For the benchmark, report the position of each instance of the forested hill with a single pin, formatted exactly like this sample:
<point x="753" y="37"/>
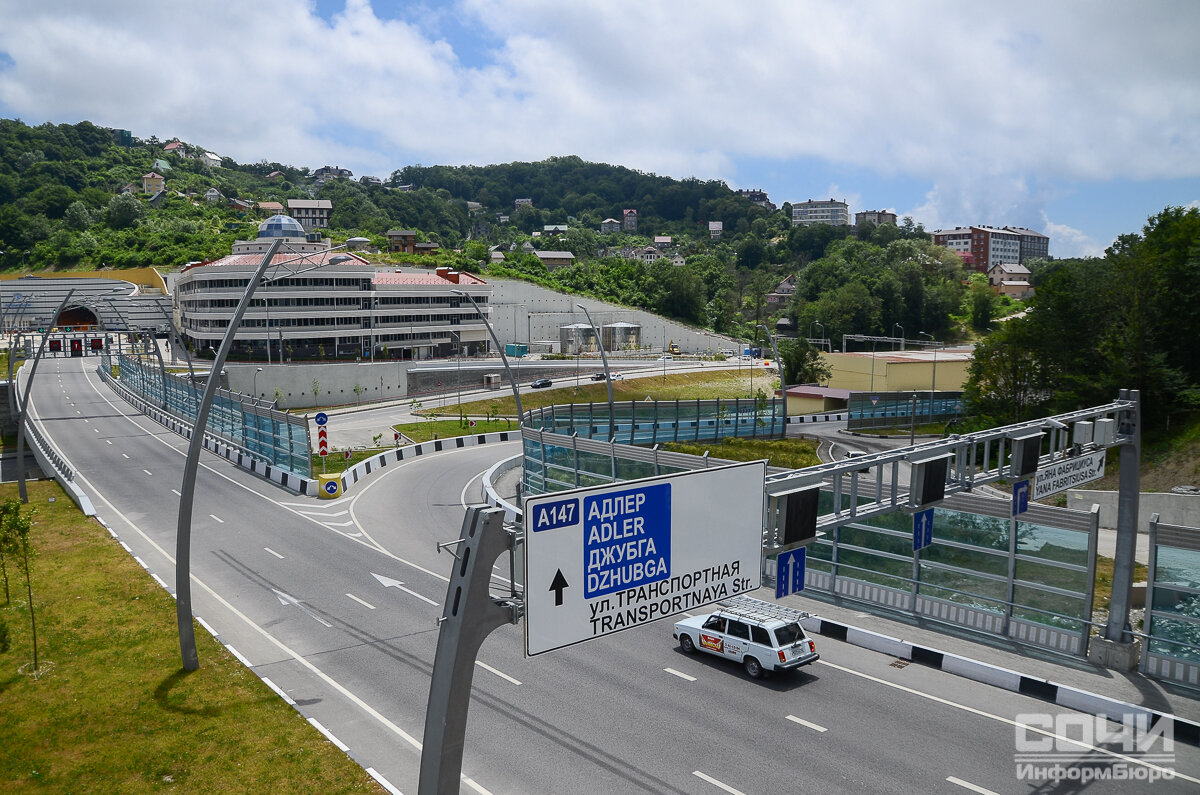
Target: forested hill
<point x="589" y="193"/>
<point x="61" y="201"/>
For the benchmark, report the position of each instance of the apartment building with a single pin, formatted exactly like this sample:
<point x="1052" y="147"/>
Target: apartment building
<point x="832" y="212"/>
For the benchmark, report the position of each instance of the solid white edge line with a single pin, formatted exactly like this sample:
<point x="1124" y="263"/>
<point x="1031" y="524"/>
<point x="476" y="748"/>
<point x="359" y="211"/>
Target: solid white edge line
<point x="206" y="626"/>
<point x="273" y="552"/>
<point x="141" y="563"/>
<point x="361" y="602"/>
<point x="716" y="783"/>
<point x="238" y="654"/>
<point x="383" y="782"/>
<point x="159" y="580"/>
<point x="680" y="674"/>
<point x="498" y="673"/>
<point x="279" y="692"/>
<point x="803" y="722"/>
<point x="217" y="518"/>
<point x="970" y="786"/>
<point x="329" y="735"/>
<point x="1008" y="721"/>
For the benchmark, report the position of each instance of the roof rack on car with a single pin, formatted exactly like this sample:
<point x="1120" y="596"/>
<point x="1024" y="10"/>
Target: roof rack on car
<point x="759" y="610"/>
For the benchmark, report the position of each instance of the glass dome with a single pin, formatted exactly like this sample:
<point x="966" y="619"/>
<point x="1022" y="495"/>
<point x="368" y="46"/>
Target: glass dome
<point x="280" y="226"/>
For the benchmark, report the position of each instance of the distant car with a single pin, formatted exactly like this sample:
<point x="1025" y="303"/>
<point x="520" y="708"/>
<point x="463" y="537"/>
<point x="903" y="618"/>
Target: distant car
<point x="542" y="383"/>
<point x="762" y="636"/>
<point x="666" y="357"/>
<point x="597" y="376"/>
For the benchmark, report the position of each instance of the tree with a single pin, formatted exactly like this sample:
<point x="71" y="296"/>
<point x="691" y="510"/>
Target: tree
<point x="316" y="390"/>
<point x="802" y="362"/>
<point x="358" y="391"/>
<point x="14" y="529"/>
<point x="124" y="210"/>
<point x="980" y="302"/>
<point x="9" y="548"/>
<point x="1008" y="381"/>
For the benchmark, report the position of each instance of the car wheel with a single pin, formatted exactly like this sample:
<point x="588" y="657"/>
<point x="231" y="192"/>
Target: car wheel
<point x="753" y="668"/>
<point x="686" y="644"/>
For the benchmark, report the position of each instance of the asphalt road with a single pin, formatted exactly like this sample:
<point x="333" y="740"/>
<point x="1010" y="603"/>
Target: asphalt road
<point x="293" y="585"/>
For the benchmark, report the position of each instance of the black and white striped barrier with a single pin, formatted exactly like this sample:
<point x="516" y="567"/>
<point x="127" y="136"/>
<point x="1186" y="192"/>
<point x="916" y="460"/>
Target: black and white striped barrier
<point x="802" y="418"/>
<point x="311" y="487"/>
<point x="1064" y="696"/>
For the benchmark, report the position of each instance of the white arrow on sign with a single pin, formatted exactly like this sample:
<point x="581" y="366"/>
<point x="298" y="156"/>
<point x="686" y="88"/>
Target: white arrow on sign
<point x="388" y="582"/>
<point x="285" y="599"/>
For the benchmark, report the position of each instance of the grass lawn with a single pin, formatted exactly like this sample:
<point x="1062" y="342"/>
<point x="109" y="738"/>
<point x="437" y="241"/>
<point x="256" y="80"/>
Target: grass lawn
<point x="703" y="385"/>
<point x="787" y="453"/>
<point x="114" y="711"/>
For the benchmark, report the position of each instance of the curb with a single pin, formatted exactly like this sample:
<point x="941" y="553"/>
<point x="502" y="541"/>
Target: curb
<point x="1186" y="731"/>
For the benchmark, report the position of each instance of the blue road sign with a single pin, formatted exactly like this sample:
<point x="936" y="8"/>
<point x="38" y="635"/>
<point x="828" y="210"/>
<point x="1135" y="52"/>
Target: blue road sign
<point x="322" y="418"/>
<point x="789" y="572"/>
<point x="922" y="529"/>
<point x="1020" y="503"/>
<point x="331" y="488"/>
<point x="627" y="538"/>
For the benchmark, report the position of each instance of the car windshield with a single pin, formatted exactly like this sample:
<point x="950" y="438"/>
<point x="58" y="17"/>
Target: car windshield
<point x="789" y="634"/>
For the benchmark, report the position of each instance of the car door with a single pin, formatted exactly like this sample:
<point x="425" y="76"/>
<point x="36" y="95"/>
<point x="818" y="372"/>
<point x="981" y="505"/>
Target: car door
<point x="737" y="639"/>
<point x="712" y="635"/>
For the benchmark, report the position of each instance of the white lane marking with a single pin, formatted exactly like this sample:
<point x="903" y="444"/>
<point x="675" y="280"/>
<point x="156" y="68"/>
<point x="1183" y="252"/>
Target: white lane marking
<point x="126" y="455"/>
<point x="414" y="593"/>
<point x="326" y="515"/>
<point x="462" y="495"/>
<point x="969" y="785"/>
<point x="680" y="674"/>
<point x="218" y="519"/>
<point x="273" y="552"/>
<point x="85" y="419"/>
<point x="803" y="722"/>
<point x="500" y="674"/>
<point x="716" y="783"/>
<point x="108" y="441"/>
<point x="176" y="492"/>
<point x="238" y="654"/>
<point x="383" y="782"/>
<point x="361" y="602"/>
<point x="1008" y="721"/>
<point x="96" y="430"/>
<point x="342" y="524"/>
<point x="204" y="624"/>
<point x="329" y="735"/>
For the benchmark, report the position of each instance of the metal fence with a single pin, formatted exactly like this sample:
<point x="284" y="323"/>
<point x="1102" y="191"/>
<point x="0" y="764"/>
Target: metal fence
<point x="251" y="425"/>
<point x="653" y="421"/>
<point x="1029" y="579"/>
<point x="568" y="446"/>
<point x="1172" y="624"/>
<point x="901" y="409"/>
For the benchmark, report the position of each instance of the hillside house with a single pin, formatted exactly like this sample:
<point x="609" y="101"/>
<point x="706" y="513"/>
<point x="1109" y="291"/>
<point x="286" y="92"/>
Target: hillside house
<point x="553" y="260"/>
<point x="152" y="182"/>
<point x="402" y="240"/>
<point x="610" y="226"/>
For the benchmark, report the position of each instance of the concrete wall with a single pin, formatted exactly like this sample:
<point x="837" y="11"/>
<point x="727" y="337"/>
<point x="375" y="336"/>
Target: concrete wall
<point x="1180" y="509"/>
<point x="523" y="312"/>
<point x="336" y="380"/>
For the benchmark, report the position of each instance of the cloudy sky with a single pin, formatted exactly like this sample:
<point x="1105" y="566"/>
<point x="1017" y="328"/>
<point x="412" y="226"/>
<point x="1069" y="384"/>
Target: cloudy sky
<point x="1078" y="119"/>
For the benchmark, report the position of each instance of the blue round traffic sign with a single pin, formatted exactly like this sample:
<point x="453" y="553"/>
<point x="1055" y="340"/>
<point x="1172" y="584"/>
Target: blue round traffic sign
<point x="331" y="488"/>
<point x="322" y="418"/>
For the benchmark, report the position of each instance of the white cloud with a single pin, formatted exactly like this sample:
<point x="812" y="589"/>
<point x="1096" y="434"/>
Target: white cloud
<point x="1066" y="241"/>
<point x="990" y="104"/>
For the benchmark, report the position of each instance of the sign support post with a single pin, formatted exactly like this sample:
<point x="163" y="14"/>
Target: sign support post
<point x="470" y="615"/>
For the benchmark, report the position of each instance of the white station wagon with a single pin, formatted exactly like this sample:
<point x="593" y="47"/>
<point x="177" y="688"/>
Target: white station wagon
<point x="762" y="636"/>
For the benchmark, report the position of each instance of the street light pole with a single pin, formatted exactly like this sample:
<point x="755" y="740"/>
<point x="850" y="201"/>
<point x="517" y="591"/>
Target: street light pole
<point x="254" y="382"/>
<point x="894" y="327"/>
<point x="933" y="382"/>
<point x="612" y="414"/>
<point x="25" y="400"/>
<point x="515" y="387"/>
<point x="183" y="536"/>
